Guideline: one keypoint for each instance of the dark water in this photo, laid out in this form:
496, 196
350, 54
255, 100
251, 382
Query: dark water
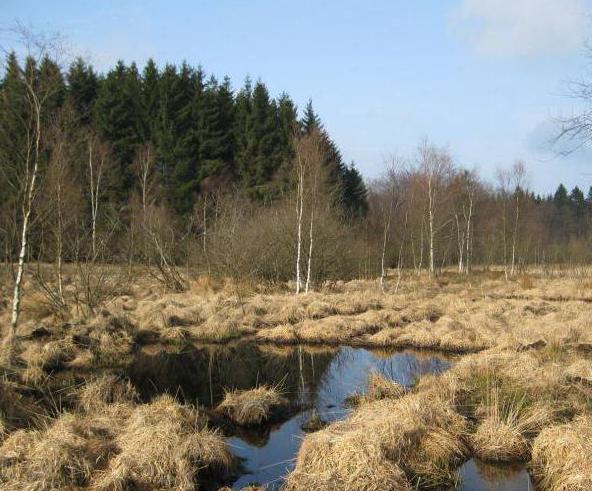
319, 379
479, 476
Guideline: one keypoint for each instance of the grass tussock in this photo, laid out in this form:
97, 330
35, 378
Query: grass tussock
62, 456
561, 456
504, 434
252, 407
379, 387
164, 445
108, 389
387, 444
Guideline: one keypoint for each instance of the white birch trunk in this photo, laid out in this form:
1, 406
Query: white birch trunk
299, 211
27, 208
310, 238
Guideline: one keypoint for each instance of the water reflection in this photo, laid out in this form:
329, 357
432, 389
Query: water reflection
480, 476
325, 387
313, 378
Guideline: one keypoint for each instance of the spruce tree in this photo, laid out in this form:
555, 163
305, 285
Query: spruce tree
82, 90
13, 113
150, 101
242, 117
263, 139
118, 119
216, 134
560, 197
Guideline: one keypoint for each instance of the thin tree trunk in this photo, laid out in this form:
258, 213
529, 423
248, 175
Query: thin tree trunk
310, 238
461, 243
31, 179
515, 233
431, 225
299, 212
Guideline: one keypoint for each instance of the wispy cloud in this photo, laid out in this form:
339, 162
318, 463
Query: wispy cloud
521, 27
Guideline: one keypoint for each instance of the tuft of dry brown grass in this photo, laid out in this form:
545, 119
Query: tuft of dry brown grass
108, 389
164, 445
379, 387
387, 444
51, 356
507, 427
580, 371
561, 456
63, 456
252, 407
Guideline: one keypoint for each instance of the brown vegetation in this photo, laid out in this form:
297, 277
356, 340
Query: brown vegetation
252, 407
112, 443
524, 375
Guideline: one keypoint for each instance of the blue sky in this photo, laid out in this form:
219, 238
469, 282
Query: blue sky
483, 77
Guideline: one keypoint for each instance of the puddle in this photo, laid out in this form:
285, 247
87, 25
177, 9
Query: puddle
318, 378
479, 476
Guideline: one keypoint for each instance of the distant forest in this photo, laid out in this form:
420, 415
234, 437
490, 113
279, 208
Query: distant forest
174, 170
203, 133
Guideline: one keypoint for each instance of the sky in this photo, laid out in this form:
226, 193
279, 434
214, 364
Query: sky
487, 79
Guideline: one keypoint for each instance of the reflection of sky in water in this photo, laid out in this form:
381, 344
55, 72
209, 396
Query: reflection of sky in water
321, 378
346, 374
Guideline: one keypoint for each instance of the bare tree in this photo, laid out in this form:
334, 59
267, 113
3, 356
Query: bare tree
28, 168
464, 189
436, 166
309, 176
99, 158
157, 223
518, 177
388, 200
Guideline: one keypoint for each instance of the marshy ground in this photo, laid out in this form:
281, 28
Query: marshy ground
212, 387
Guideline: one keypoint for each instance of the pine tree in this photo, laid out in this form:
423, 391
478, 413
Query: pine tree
13, 112
263, 139
216, 134
52, 85
310, 119
577, 201
118, 118
242, 118
560, 197
82, 90
354, 193
287, 122
150, 101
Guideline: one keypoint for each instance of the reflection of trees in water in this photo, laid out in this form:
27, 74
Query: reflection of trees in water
496, 473
200, 374
407, 367
349, 371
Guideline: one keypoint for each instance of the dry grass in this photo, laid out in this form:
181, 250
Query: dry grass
561, 456
506, 429
379, 387
164, 445
112, 443
108, 389
526, 343
580, 371
62, 456
252, 407
388, 444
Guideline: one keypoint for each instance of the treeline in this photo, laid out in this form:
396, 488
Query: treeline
175, 172
428, 213
204, 135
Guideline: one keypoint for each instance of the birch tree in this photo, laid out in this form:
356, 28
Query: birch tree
436, 166
518, 176
28, 168
98, 161
310, 178
159, 233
